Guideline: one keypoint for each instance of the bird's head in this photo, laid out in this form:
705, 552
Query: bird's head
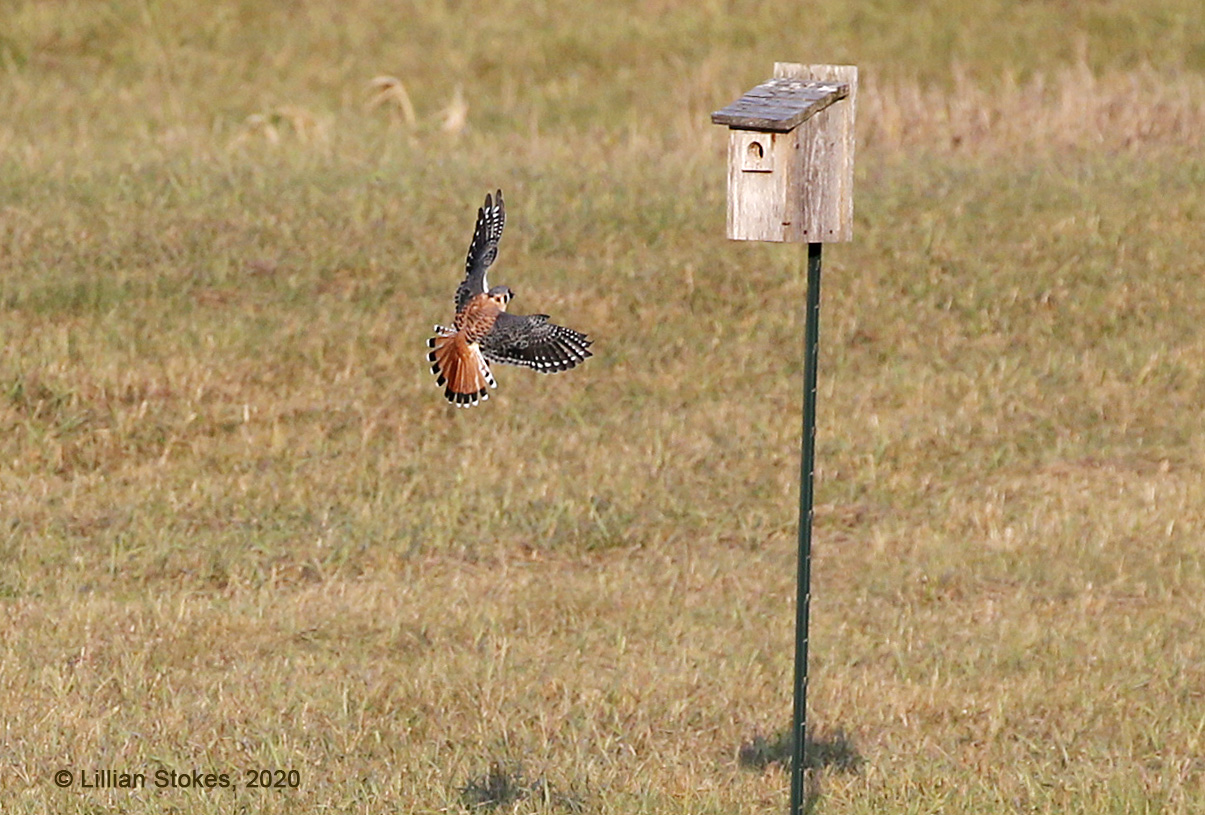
500, 295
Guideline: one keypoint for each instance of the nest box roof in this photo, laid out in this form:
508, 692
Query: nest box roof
780, 105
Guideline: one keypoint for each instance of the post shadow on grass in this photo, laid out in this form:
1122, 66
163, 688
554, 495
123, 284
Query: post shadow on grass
836, 751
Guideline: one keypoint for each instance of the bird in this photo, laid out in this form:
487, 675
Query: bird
483, 332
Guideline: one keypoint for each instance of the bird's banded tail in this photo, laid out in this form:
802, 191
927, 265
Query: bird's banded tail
460, 367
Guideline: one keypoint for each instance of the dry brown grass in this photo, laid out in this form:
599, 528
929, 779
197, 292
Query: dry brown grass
1070, 108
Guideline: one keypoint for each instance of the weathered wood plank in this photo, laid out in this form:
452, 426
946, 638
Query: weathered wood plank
823, 189
757, 199
781, 104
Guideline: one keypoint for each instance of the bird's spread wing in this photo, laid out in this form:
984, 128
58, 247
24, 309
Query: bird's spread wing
530, 340
482, 251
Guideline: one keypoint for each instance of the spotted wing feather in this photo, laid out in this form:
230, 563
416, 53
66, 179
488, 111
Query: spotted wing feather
491, 218
533, 342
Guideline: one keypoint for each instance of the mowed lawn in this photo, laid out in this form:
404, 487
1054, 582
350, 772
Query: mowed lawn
244, 540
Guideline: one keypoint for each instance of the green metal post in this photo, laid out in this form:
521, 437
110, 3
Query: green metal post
807, 470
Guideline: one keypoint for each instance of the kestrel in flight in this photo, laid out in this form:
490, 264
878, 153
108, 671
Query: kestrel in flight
484, 332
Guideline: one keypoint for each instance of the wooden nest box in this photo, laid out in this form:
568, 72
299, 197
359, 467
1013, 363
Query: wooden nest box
791, 156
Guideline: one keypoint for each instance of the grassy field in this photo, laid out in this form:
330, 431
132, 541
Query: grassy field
240, 529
